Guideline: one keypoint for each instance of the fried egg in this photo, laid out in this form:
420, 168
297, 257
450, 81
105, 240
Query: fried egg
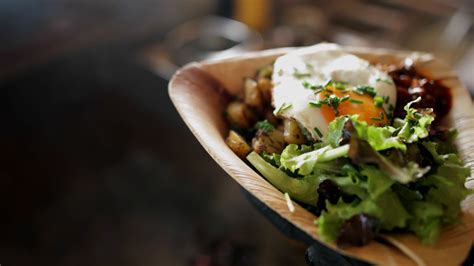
313, 85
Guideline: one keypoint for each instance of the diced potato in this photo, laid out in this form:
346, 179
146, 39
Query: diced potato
265, 86
293, 133
237, 144
252, 95
269, 142
240, 115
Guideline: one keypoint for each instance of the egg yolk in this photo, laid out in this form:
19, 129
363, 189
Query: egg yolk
360, 104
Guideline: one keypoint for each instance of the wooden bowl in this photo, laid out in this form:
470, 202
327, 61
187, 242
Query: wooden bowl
200, 92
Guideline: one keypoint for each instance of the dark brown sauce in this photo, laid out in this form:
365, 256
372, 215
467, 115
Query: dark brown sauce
411, 85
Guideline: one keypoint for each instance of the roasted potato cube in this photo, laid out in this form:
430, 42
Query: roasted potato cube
292, 132
252, 95
265, 86
269, 142
237, 144
240, 115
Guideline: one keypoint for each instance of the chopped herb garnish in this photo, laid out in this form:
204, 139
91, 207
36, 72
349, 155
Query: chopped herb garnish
386, 98
334, 103
365, 89
390, 111
315, 104
378, 101
306, 133
299, 75
317, 88
387, 81
356, 101
338, 85
331, 100
282, 108
318, 132
382, 117
265, 126
280, 72
345, 98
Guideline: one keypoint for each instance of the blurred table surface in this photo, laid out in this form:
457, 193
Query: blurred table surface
97, 168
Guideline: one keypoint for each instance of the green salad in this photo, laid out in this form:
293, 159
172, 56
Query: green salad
371, 167
363, 179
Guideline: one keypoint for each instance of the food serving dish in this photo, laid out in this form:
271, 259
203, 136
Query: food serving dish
200, 92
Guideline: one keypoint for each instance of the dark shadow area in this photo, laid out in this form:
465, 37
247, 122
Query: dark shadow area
97, 168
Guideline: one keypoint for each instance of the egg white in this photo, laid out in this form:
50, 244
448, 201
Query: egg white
317, 65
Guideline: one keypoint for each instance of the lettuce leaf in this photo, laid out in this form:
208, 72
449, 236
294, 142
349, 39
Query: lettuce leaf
336, 130
416, 124
296, 160
426, 222
377, 181
380, 138
301, 189
387, 208
329, 226
361, 152
445, 190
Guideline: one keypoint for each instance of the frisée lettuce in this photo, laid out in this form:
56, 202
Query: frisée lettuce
377, 178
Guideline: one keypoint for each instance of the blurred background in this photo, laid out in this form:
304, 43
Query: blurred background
96, 166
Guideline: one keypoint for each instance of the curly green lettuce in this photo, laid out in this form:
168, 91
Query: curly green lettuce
394, 175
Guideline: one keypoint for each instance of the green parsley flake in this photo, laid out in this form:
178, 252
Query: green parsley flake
345, 98
265, 126
332, 101
318, 132
317, 104
378, 101
378, 118
306, 133
338, 85
316, 88
387, 81
365, 89
356, 101
299, 75
319, 89
282, 108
